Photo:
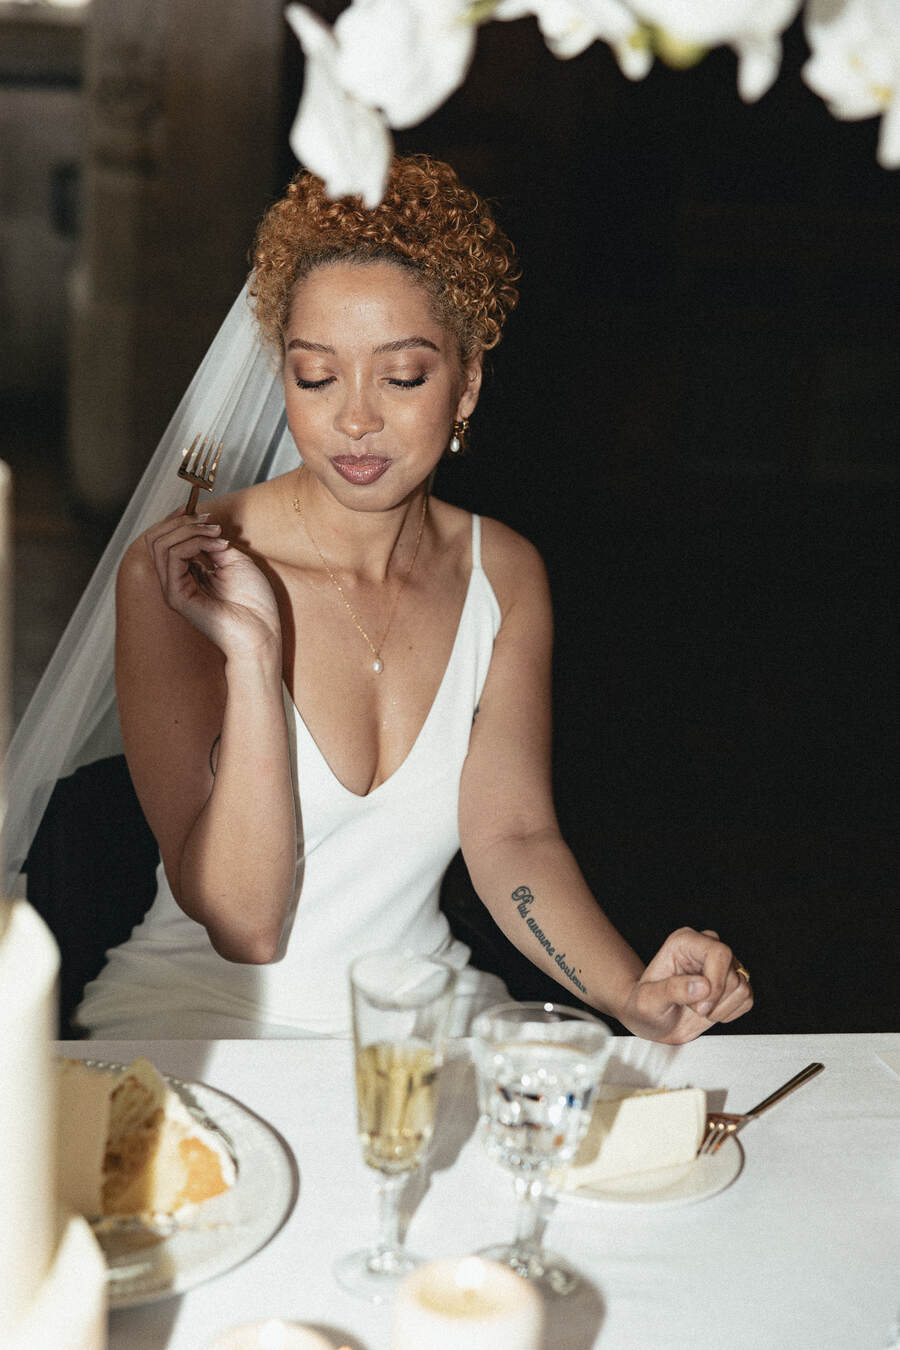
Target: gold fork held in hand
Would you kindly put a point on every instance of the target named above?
(721, 1124)
(199, 462)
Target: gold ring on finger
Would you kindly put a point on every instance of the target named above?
(742, 970)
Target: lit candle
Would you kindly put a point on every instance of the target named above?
(466, 1304)
(69, 1312)
(272, 1334)
(29, 962)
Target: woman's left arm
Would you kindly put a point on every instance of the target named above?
(518, 861)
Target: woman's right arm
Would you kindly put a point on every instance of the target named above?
(198, 681)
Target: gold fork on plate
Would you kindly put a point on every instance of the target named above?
(721, 1124)
(199, 462)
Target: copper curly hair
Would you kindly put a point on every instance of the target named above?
(427, 221)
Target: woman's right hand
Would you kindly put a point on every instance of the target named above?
(212, 584)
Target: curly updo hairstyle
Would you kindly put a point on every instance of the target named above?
(427, 221)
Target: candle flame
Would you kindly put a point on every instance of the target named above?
(470, 1274)
(272, 1335)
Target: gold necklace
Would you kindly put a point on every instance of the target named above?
(377, 664)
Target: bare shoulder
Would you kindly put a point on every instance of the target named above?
(258, 518)
(137, 574)
(514, 567)
(244, 513)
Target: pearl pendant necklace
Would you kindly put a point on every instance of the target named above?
(377, 663)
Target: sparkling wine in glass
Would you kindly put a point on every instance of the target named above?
(401, 1008)
(538, 1065)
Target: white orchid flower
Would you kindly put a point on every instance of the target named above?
(405, 57)
(570, 26)
(334, 135)
(752, 28)
(855, 64)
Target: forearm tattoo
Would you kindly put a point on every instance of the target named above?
(523, 898)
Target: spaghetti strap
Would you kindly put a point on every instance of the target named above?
(476, 543)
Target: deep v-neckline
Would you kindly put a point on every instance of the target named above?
(420, 735)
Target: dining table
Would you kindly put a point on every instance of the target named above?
(796, 1248)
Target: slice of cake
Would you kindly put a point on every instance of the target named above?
(128, 1145)
(83, 1096)
(638, 1130)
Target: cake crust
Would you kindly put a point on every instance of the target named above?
(144, 1154)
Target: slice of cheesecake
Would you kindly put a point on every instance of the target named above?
(638, 1130)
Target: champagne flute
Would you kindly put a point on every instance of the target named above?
(401, 1008)
(538, 1065)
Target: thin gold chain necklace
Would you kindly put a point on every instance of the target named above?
(377, 664)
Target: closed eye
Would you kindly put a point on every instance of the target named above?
(313, 384)
(408, 384)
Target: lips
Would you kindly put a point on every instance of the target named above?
(360, 469)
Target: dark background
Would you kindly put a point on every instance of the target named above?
(693, 416)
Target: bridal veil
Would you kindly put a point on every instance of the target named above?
(72, 719)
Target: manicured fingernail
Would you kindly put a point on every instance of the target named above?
(703, 1008)
(203, 515)
(697, 987)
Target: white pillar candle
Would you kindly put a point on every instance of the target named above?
(69, 1312)
(466, 1304)
(272, 1334)
(29, 962)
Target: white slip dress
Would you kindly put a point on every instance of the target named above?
(369, 872)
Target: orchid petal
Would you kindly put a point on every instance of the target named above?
(752, 28)
(889, 137)
(713, 23)
(855, 60)
(334, 135)
(759, 61)
(570, 26)
(405, 57)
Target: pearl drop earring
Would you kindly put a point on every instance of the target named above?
(458, 438)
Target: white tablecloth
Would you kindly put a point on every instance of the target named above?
(800, 1252)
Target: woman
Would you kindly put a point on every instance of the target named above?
(326, 677)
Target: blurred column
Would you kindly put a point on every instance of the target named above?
(182, 117)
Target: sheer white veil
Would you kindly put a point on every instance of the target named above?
(72, 719)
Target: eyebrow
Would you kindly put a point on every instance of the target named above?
(399, 345)
(404, 344)
(309, 346)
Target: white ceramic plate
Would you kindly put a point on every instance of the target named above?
(668, 1186)
(221, 1233)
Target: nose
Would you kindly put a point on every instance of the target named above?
(358, 414)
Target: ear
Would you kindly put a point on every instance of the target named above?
(471, 387)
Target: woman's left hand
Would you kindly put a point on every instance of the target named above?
(691, 983)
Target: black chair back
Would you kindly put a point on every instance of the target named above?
(91, 872)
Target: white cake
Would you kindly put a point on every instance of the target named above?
(83, 1110)
(129, 1146)
(638, 1130)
